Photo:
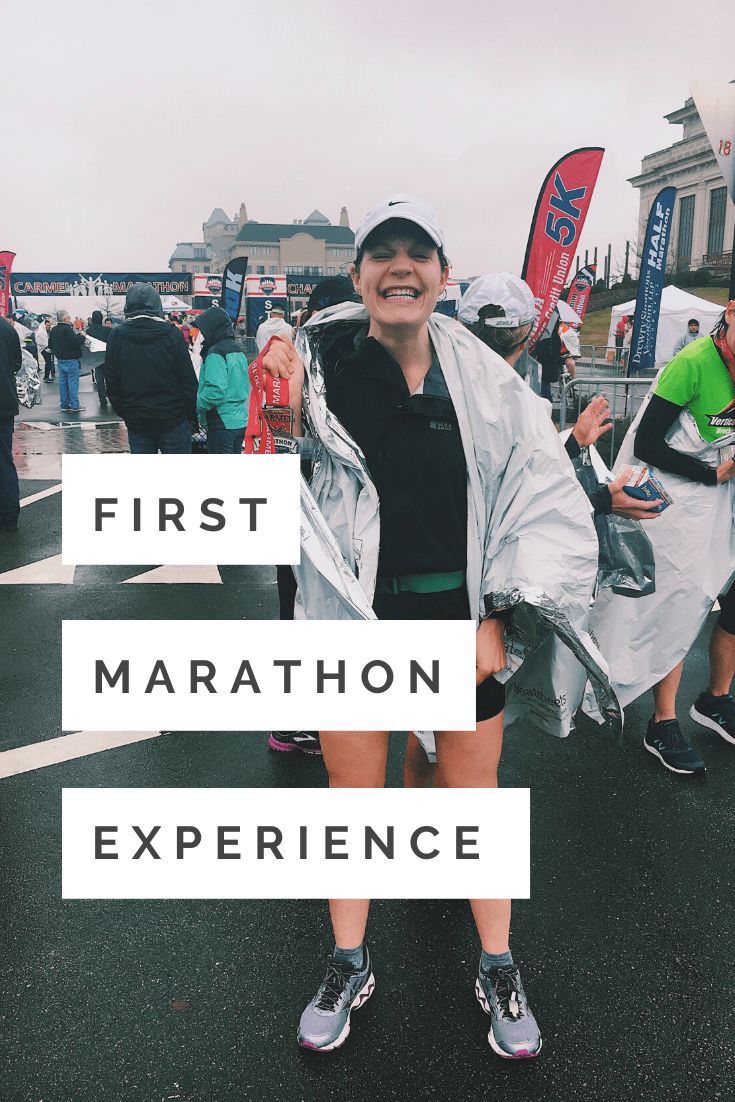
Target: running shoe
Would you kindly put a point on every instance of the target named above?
(717, 713)
(665, 741)
(514, 1032)
(325, 1024)
(305, 741)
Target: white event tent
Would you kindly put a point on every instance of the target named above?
(677, 307)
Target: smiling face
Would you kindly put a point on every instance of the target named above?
(399, 279)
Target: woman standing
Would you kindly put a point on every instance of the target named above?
(461, 482)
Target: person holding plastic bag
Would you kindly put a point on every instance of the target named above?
(410, 415)
(685, 431)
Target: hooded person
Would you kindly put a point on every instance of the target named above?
(150, 378)
(224, 386)
(99, 332)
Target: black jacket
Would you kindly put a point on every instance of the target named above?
(65, 343)
(10, 361)
(149, 375)
(99, 332)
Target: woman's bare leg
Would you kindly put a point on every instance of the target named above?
(418, 771)
(354, 759)
(469, 759)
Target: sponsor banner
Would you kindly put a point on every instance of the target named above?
(6, 264)
(561, 210)
(578, 295)
(715, 102)
(651, 282)
(98, 284)
(233, 286)
(266, 286)
(295, 843)
(180, 510)
(259, 675)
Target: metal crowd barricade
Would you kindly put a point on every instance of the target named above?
(624, 397)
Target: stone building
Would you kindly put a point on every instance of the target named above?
(312, 247)
(306, 250)
(704, 217)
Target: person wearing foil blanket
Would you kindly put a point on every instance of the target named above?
(685, 431)
(10, 364)
(700, 380)
(411, 415)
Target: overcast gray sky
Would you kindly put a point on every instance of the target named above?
(126, 123)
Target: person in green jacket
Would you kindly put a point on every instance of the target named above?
(224, 385)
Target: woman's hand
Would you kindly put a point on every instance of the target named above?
(282, 361)
(726, 471)
(633, 508)
(590, 424)
(490, 649)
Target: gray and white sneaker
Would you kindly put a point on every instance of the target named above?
(325, 1024)
(514, 1033)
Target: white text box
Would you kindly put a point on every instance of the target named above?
(193, 510)
(296, 843)
(256, 675)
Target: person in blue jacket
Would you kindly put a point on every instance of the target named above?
(224, 386)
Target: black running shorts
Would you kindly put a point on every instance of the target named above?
(453, 604)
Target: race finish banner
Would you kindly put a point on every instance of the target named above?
(578, 295)
(233, 286)
(6, 264)
(651, 282)
(561, 210)
(98, 285)
(715, 102)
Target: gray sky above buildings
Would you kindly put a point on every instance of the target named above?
(125, 124)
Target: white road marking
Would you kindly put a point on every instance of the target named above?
(49, 571)
(40, 495)
(203, 575)
(39, 755)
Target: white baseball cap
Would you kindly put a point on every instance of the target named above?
(499, 289)
(406, 207)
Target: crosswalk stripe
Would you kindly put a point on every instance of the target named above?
(202, 575)
(54, 751)
(48, 492)
(50, 571)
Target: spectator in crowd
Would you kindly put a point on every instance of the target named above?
(67, 344)
(691, 334)
(149, 376)
(619, 335)
(100, 332)
(224, 386)
(553, 360)
(274, 326)
(45, 356)
(10, 362)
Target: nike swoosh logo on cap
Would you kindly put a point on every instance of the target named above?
(395, 202)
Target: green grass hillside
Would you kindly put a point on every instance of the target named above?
(597, 322)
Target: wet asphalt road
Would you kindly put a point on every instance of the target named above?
(626, 945)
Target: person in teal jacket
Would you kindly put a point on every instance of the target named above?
(224, 386)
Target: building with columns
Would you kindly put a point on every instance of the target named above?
(704, 217)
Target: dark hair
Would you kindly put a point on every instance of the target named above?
(721, 327)
(693, 321)
(395, 227)
(501, 340)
